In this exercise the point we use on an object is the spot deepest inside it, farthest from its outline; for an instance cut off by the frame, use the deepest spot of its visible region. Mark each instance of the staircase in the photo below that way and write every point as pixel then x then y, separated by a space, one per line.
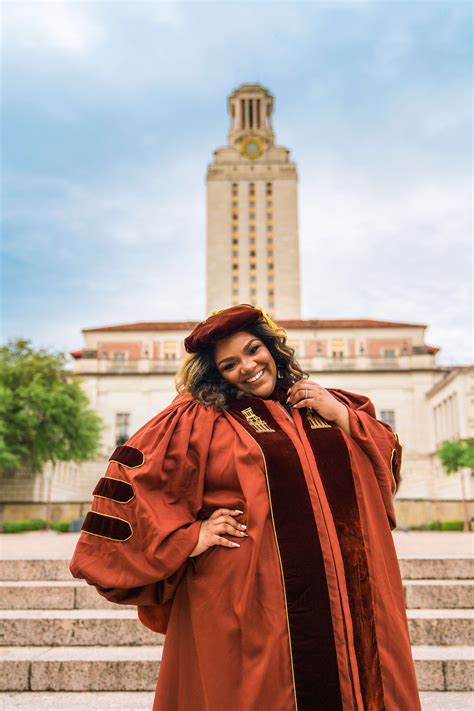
pixel 58 634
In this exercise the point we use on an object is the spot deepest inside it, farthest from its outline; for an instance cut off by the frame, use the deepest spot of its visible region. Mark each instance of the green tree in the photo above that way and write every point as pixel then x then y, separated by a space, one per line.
pixel 455 455
pixel 44 414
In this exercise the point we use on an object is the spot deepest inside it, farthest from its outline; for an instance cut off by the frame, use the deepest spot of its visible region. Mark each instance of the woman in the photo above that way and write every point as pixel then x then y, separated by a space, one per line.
pixel 251 521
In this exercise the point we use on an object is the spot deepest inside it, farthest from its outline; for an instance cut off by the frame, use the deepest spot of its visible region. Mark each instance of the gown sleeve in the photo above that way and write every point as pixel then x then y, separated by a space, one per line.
pixel 143 524
pixel 378 441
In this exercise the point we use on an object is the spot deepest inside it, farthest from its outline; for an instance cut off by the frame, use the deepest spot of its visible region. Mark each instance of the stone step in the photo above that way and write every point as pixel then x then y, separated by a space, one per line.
pixel 76 594
pixel 438 593
pixel 121 627
pixel 34 569
pixel 143 700
pixel 441 627
pixel 433 567
pixel 53 595
pixel 436 567
pixel 444 668
pixel 136 668
pixel 62 628
pixel 79 668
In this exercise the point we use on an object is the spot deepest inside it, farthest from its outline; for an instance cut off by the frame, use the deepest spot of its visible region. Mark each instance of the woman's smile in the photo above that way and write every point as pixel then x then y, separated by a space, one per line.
pixel 256 377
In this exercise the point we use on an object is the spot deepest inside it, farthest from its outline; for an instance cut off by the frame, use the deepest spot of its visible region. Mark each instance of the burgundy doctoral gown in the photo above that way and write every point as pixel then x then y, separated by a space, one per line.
pixel 308 614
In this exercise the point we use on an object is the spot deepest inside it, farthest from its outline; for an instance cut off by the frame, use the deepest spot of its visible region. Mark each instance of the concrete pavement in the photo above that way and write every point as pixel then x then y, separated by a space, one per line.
pixel 52 544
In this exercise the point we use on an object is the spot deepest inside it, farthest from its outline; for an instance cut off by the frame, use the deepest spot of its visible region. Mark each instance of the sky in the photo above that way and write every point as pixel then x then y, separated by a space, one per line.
pixel 111 112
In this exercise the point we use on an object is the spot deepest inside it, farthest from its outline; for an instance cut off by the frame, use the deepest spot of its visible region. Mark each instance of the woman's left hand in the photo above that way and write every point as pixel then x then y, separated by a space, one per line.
pixel 306 393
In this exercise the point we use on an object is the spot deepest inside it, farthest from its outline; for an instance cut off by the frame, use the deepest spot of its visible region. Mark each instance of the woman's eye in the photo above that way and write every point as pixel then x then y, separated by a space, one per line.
pixel 255 348
pixel 228 366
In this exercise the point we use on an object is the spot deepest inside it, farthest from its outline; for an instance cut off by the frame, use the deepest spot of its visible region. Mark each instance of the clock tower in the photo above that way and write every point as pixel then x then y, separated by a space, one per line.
pixel 252 213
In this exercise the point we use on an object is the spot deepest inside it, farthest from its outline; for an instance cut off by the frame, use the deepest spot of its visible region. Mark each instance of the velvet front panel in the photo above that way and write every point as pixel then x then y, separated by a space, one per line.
pixel 313 652
pixel 334 467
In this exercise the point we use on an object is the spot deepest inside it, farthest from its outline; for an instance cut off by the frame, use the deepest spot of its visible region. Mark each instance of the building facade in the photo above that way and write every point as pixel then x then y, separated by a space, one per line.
pixel 128 373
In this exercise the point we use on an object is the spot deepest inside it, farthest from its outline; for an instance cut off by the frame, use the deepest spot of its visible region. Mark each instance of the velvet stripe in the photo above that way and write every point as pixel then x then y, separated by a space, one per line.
pixel 130 457
pixel 334 466
pixel 308 607
pixel 105 526
pixel 114 489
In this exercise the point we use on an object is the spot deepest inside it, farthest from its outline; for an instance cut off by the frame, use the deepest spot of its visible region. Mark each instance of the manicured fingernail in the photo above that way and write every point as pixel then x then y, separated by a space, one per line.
pixel 242 525
pixel 237 511
pixel 236 545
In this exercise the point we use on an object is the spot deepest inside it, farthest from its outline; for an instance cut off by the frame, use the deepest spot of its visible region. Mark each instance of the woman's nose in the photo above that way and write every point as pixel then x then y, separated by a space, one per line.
pixel 248 366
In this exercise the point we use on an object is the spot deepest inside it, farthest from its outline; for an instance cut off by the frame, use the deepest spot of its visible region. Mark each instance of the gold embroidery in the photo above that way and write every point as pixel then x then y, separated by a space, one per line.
pixel 391 471
pixel 315 420
pixel 255 421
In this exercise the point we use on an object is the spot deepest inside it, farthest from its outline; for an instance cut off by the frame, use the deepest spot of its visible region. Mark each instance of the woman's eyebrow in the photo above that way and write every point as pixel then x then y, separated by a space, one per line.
pixel 245 348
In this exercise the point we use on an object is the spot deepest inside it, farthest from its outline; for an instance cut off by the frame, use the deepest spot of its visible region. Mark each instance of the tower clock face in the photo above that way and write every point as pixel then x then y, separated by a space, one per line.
pixel 251 147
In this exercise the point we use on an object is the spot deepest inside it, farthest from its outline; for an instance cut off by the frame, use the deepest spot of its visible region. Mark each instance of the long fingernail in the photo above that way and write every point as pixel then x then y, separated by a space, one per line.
pixel 237 511
pixel 236 545
pixel 242 525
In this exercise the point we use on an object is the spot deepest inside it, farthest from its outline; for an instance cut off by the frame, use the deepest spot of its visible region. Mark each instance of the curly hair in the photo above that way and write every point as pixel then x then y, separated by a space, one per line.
pixel 199 376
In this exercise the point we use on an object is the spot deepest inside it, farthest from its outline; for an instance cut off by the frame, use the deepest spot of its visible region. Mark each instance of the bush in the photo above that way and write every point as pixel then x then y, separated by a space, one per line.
pixel 60 526
pixel 34 524
pixel 455 525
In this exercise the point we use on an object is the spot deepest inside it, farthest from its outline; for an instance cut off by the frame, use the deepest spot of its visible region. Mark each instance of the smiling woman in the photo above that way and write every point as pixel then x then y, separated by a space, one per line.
pixel 255 531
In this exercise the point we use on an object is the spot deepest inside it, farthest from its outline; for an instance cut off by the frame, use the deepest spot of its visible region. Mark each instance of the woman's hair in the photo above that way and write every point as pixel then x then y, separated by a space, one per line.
pixel 199 376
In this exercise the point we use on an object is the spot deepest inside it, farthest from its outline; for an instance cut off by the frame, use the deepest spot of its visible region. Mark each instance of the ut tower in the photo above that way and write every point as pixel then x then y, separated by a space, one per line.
pixel 252 213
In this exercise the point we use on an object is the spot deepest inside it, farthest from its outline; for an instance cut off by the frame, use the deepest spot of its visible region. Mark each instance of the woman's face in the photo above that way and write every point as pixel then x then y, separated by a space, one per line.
pixel 245 362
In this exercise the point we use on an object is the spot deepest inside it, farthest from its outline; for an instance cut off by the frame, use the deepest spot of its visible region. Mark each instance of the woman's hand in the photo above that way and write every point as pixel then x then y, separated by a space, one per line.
pixel 221 521
pixel 305 393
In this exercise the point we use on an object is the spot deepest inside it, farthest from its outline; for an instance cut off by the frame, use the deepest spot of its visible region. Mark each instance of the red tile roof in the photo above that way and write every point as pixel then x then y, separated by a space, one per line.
pixel 288 324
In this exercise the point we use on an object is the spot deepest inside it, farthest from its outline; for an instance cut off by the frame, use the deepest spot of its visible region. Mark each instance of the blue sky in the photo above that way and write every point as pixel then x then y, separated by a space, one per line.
pixel 111 111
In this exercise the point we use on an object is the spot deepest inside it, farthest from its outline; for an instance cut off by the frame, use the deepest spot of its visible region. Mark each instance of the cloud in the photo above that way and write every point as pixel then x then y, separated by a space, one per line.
pixel 58 27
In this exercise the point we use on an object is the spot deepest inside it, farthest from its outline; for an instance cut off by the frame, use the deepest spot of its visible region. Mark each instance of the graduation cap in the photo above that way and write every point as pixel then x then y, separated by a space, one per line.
pixel 224 322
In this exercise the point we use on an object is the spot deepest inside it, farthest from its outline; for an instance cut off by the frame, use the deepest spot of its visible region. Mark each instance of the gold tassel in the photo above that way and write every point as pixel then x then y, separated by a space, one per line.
pixel 267 318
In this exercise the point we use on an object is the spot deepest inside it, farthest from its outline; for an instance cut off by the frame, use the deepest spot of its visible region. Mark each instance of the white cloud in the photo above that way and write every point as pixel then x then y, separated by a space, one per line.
pixel 63 27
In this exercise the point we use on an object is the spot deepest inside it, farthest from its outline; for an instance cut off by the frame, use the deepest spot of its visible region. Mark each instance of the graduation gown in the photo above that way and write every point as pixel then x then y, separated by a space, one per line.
pixel 308 614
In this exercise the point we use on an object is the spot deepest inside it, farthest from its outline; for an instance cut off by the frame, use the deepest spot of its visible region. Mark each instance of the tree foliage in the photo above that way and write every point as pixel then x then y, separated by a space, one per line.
pixel 44 414
pixel 455 454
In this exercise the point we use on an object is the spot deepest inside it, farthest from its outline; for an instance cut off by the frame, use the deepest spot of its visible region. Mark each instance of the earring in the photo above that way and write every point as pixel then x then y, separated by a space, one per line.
pixel 279 374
